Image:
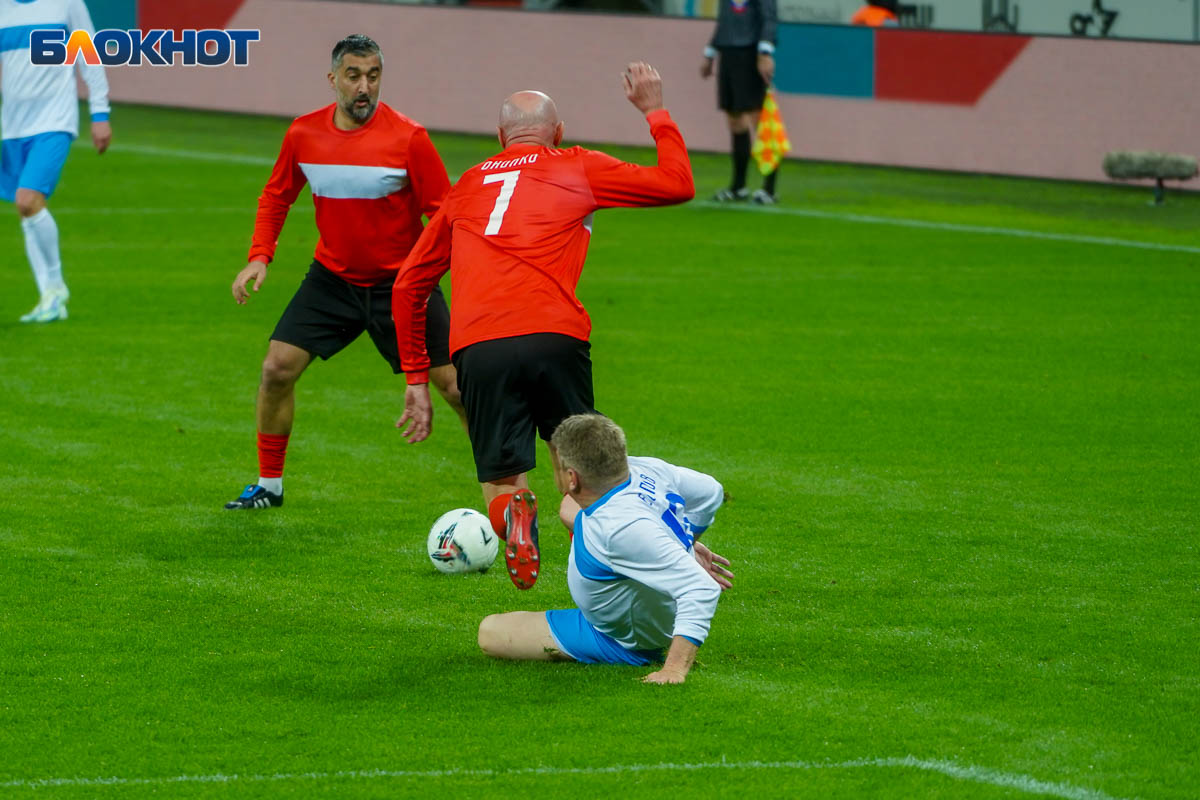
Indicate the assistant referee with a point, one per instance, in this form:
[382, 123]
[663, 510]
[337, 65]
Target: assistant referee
[743, 47]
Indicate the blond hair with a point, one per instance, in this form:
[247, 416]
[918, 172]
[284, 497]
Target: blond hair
[594, 446]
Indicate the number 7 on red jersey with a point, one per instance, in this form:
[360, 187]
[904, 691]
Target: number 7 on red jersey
[508, 182]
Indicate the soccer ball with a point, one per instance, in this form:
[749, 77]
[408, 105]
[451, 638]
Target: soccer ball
[462, 540]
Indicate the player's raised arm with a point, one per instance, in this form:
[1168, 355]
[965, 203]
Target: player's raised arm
[617, 183]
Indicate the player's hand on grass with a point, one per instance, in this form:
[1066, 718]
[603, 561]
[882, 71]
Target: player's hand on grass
[643, 86]
[706, 68]
[664, 676]
[101, 136]
[255, 271]
[715, 565]
[417, 419]
[766, 67]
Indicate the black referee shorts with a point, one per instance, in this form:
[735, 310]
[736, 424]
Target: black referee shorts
[740, 87]
[327, 313]
[514, 386]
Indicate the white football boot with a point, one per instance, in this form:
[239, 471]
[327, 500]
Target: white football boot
[51, 308]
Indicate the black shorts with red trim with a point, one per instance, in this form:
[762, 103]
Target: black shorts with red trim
[328, 313]
[516, 386]
[740, 86]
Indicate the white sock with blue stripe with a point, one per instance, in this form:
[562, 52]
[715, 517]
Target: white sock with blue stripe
[41, 245]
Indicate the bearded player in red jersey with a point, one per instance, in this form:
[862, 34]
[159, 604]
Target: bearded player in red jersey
[373, 173]
[514, 233]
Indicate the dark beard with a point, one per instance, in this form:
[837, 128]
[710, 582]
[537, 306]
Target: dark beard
[359, 114]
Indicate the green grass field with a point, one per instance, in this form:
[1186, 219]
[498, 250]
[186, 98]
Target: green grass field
[958, 417]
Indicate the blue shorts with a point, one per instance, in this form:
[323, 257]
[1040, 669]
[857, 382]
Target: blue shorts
[33, 162]
[577, 638]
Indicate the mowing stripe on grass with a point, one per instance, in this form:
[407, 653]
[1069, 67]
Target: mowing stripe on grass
[985, 775]
[812, 213]
[902, 222]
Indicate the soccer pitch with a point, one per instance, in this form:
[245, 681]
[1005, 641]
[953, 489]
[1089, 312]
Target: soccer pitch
[958, 418]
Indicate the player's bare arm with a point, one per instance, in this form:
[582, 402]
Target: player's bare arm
[643, 86]
[101, 135]
[680, 658]
[568, 511]
[417, 420]
[255, 271]
[714, 564]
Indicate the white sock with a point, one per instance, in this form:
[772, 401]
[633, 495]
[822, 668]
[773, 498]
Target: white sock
[41, 245]
[272, 485]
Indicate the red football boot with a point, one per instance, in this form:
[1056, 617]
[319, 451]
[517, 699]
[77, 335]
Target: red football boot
[521, 540]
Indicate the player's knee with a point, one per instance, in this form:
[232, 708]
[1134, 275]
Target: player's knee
[491, 639]
[29, 203]
[279, 373]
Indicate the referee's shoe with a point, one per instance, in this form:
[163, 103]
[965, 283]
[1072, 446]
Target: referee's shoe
[521, 539]
[732, 195]
[255, 496]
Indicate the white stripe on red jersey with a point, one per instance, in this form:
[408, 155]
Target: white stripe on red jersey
[370, 187]
[347, 181]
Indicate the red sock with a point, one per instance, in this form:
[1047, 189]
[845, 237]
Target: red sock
[271, 451]
[496, 510]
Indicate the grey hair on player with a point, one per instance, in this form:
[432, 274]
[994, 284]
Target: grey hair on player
[594, 446]
[529, 114]
[355, 44]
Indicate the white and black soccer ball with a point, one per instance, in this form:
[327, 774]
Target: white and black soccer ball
[462, 540]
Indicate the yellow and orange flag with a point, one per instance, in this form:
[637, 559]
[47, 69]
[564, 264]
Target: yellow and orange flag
[771, 144]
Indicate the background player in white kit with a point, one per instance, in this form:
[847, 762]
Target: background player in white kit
[39, 118]
[641, 581]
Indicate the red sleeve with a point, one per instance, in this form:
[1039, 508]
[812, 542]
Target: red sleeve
[427, 172]
[427, 262]
[281, 190]
[617, 183]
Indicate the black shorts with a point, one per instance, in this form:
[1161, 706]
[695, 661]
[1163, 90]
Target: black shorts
[327, 313]
[740, 86]
[514, 386]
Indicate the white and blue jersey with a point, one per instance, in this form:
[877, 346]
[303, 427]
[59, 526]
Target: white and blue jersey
[44, 99]
[632, 571]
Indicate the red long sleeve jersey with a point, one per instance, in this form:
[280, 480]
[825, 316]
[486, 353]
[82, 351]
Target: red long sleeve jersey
[370, 187]
[514, 233]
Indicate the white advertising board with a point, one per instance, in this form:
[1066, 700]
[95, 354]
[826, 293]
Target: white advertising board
[1169, 20]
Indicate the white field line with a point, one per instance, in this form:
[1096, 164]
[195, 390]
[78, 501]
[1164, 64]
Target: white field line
[171, 152]
[143, 211]
[902, 222]
[955, 227]
[1023, 783]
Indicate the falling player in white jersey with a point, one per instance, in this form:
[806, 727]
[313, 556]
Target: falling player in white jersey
[39, 118]
[640, 579]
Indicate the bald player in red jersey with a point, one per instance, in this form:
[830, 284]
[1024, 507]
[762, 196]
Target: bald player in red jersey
[373, 173]
[514, 233]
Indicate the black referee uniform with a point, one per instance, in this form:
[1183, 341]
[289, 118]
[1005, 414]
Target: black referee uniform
[745, 28]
